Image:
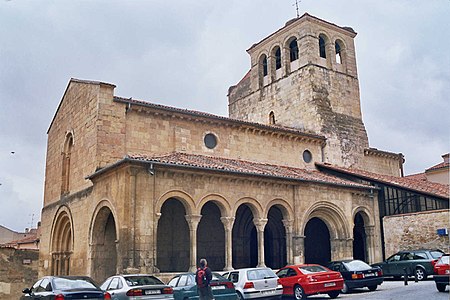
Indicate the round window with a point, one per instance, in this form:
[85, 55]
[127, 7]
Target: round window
[210, 141]
[307, 156]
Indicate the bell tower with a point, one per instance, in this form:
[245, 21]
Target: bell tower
[304, 76]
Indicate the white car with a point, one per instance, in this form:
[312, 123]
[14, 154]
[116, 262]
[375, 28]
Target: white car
[253, 283]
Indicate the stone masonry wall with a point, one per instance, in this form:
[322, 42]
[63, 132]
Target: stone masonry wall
[416, 231]
[18, 270]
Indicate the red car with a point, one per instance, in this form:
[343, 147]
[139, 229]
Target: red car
[301, 281]
[442, 272]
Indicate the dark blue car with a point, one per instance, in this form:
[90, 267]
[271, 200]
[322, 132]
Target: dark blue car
[64, 287]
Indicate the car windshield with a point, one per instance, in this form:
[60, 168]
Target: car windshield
[260, 274]
[312, 269]
[216, 276]
[356, 265]
[141, 280]
[65, 284]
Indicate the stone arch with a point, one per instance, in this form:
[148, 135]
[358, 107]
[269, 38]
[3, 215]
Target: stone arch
[211, 234]
[62, 241]
[263, 67]
[244, 233]
[288, 212]
[292, 53]
[332, 215]
[186, 199]
[219, 200]
[252, 203]
[362, 224]
[340, 50]
[324, 228]
[275, 237]
[276, 60]
[66, 165]
[104, 233]
[173, 233]
[324, 41]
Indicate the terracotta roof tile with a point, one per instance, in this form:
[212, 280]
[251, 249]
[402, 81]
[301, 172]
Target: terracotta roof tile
[247, 168]
[419, 176]
[418, 185]
[442, 165]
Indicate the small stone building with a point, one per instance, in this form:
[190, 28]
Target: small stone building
[133, 186]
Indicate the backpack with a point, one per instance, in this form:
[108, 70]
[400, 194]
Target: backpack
[201, 278]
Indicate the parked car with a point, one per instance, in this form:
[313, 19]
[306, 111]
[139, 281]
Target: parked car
[418, 263]
[137, 286]
[301, 281]
[64, 287]
[442, 272]
[357, 274]
[252, 283]
[184, 287]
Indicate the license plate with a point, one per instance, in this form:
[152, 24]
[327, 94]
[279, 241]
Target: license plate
[268, 292]
[218, 287]
[370, 275]
[330, 284]
[152, 292]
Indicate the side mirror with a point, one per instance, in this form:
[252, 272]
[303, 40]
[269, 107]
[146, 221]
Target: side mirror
[26, 291]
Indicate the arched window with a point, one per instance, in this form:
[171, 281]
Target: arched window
[65, 178]
[293, 50]
[277, 58]
[271, 118]
[263, 61]
[339, 49]
[322, 49]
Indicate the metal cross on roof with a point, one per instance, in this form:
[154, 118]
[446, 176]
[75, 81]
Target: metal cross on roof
[296, 6]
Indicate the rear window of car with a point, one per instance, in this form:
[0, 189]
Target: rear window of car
[142, 280]
[436, 254]
[312, 269]
[356, 265]
[65, 284]
[260, 274]
[444, 260]
[420, 255]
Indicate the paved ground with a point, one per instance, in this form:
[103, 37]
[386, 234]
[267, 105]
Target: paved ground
[395, 290]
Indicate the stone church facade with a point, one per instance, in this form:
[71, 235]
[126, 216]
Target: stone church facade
[133, 186]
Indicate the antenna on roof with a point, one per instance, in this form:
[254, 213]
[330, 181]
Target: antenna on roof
[296, 6]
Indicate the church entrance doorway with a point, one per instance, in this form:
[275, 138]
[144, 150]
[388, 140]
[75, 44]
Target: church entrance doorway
[211, 237]
[317, 242]
[173, 238]
[275, 255]
[103, 245]
[359, 239]
[62, 245]
[245, 241]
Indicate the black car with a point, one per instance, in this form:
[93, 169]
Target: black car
[64, 287]
[357, 274]
[418, 263]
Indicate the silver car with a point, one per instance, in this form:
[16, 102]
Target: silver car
[136, 287]
[252, 283]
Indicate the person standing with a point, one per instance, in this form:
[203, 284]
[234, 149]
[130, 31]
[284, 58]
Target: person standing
[203, 277]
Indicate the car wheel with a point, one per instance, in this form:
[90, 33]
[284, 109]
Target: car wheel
[239, 296]
[299, 293]
[441, 287]
[372, 287]
[420, 274]
[333, 294]
[345, 289]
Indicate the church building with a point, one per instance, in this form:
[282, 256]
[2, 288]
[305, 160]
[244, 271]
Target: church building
[133, 186]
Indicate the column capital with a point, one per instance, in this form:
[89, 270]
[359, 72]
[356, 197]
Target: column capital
[260, 224]
[288, 225]
[227, 222]
[193, 221]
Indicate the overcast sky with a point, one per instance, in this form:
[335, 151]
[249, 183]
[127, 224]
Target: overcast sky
[187, 53]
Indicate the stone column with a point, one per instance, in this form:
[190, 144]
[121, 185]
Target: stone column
[193, 221]
[298, 249]
[155, 242]
[228, 226]
[370, 242]
[348, 251]
[289, 228]
[260, 225]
